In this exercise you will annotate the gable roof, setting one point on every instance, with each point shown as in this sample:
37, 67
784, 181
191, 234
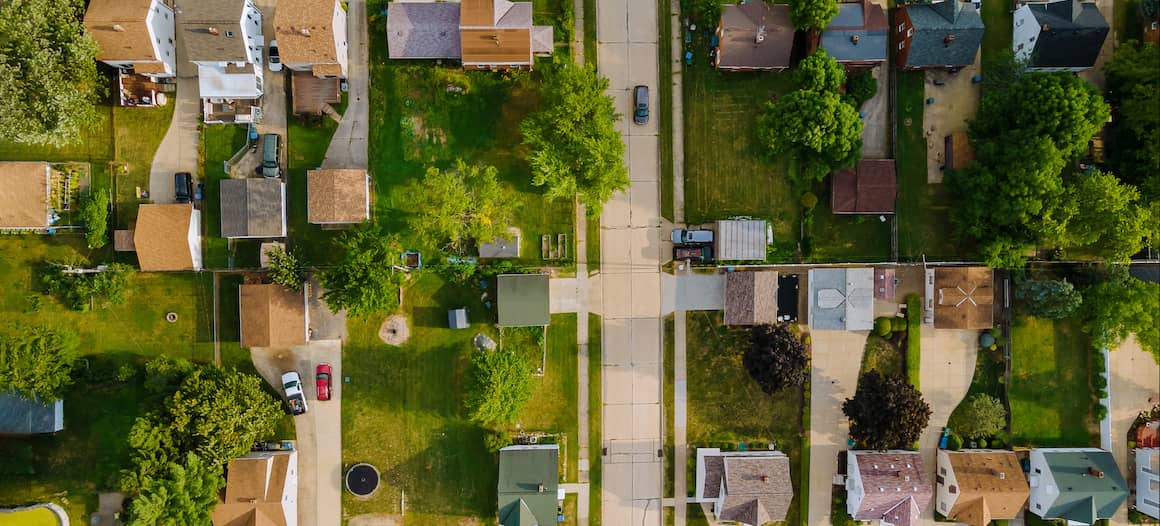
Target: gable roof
337, 196
253, 207
423, 30
523, 300
984, 494
1072, 34
203, 28
963, 298
751, 298
24, 194
1082, 496
758, 489
272, 316
858, 33
162, 237
869, 188
523, 471
121, 30
19, 416
255, 485
933, 24
315, 17
754, 35
896, 486
841, 299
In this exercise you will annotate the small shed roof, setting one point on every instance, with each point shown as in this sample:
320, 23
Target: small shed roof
19, 416
457, 318
741, 240
964, 298
870, 188
24, 194
272, 316
750, 298
337, 196
523, 300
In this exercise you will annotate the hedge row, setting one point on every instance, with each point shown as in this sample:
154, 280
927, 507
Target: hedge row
913, 338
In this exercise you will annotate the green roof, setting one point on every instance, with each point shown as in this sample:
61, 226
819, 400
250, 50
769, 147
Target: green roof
1082, 497
523, 300
522, 471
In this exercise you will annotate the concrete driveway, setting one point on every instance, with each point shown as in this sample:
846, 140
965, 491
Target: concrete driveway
178, 149
1133, 378
348, 146
876, 123
319, 430
837, 356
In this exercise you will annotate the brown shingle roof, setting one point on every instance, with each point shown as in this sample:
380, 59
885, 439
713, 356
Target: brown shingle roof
479, 12
272, 316
254, 489
23, 194
750, 298
983, 495
740, 28
337, 196
162, 237
964, 298
496, 46
224, 16
131, 40
316, 45
895, 483
868, 189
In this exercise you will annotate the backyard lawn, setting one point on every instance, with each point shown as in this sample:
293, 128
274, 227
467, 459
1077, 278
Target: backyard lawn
998, 22
307, 142
847, 237
1051, 399
219, 143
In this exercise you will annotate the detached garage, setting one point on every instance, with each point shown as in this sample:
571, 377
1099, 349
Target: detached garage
741, 240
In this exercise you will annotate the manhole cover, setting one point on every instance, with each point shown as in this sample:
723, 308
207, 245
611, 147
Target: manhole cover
362, 480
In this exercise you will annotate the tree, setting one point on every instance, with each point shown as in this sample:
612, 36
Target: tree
184, 495
38, 362
861, 87
823, 132
576, 149
48, 73
979, 416
455, 207
1048, 298
1108, 216
776, 358
812, 14
1133, 79
1121, 305
285, 269
886, 412
1059, 106
77, 289
501, 384
365, 281
819, 72
94, 211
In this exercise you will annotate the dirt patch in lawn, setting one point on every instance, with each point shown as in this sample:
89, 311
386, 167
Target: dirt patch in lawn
394, 330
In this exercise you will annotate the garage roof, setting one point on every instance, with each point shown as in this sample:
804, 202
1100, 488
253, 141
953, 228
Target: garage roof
741, 240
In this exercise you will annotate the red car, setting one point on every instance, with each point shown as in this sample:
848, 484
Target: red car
322, 380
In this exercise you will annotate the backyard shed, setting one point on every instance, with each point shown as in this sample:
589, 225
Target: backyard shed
957, 151
750, 298
741, 240
868, 188
457, 318
24, 195
29, 417
503, 247
523, 300
841, 299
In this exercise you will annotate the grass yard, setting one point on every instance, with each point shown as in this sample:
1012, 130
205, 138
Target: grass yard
307, 142
847, 237
219, 142
595, 388
726, 406
665, 105
998, 22
985, 381
1050, 396
138, 133
553, 405
668, 402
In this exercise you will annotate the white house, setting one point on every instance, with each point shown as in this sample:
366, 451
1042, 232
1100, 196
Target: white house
134, 35
224, 39
1148, 481
1059, 35
263, 485
1080, 485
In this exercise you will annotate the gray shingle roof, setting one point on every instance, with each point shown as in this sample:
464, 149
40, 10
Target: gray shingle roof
933, 23
741, 26
1075, 33
1083, 497
253, 207
195, 20
423, 30
867, 22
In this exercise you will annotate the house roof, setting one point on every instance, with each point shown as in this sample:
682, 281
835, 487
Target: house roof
423, 30
933, 24
984, 494
1083, 497
272, 316
741, 27
864, 20
503, 247
895, 483
523, 300
253, 207
735, 478
964, 298
870, 188
751, 298
162, 237
315, 45
24, 194
522, 472
496, 45
120, 29
841, 299
255, 485
203, 29
740, 240
19, 416
1072, 34
337, 196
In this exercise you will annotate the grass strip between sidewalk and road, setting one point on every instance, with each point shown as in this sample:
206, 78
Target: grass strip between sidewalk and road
595, 450
665, 104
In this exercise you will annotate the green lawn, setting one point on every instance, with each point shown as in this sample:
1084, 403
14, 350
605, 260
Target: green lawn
138, 134
219, 142
847, 237
985, 381
725, 405
553, 405
33, 517
307, 143
595, 388
665, 105
881, 355
1050, 396
668, 398
999, 27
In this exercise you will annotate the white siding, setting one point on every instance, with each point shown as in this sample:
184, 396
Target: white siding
340, 44
195, 239
1148, 481
1025, 34
855, 492
162, 32
945, 500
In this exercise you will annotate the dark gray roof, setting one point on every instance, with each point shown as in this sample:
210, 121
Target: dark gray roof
743, 25
524, 300
253, 207
1145, 272
522, 471
501, 247
933, 23
865, 21
1073, 36
423, 30
29, 417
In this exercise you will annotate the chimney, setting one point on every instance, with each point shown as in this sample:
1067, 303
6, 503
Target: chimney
1002, 476
1096, 472
765, 478
540, 488
118, 28
947, 41
1045, 27
854, 39
760, 34
305, 32
213, 31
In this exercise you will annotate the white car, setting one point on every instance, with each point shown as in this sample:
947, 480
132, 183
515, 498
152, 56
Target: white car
292, 385
274, 60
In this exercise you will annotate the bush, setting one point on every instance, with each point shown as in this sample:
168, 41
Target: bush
898, 324
809, 200
495, 441
913, 338
1101, 411
75, 290
94, 211
883, 327
982, 443
998, 443
954, 442
861, 88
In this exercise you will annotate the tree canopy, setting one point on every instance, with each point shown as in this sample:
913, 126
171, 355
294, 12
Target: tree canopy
1049, 299
576, 149
1133, 79
812, 14
460, 206
776, 358
1120, 305
886, 412
185, 494
500, 386
48, 73
38, 361
285, 268
78, 291
365, 281
979, 416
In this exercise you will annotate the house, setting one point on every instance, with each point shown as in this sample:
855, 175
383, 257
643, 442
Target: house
338, 196
751, 298
857, 36
523, 300
1147, 454
746, 487
529, 488
261, 489
1081, 485
23, 417
24, 195
887, 486
224, 39
740, 240
137, 38
482, 34
868, 188
253, 208
942, 35
754, 36
841, 299
960, 297
168, 237
1059, 35
312, 44
272, 316
978, 486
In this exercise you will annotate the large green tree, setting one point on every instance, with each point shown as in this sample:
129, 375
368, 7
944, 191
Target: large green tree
184, 495
979, 416
500, 386
1133, 79
48, 74
38, 361
1108, 217
819, 72
365, 281
776, 358
94, 211
818, 128
460, 206
1120, 305
1059, 106
1049, 299
576, 149
812, 14
886, 412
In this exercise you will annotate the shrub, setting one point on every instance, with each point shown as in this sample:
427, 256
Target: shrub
982, 443
495, 441
75, 290
94, 211
898, 324
913, 338
883, 327
861, 87
285, 269
809, 200
1101, 411
980, 415
998, 443
954, 442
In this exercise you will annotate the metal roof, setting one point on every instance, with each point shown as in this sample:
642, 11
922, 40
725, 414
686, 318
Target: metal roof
741, 240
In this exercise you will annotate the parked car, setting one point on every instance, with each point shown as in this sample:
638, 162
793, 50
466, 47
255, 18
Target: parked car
322, 380
271, 152
183, 187
275, 60
292, 385
692, 253
682, 236
640, 105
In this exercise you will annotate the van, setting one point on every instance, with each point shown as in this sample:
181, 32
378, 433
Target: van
640, 105
271, 152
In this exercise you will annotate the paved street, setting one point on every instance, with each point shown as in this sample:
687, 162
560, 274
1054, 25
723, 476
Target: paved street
1134, 377
348, 146
837, 355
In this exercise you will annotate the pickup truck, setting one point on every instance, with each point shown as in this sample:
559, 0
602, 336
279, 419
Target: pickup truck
692, 253
292, 384
681, 235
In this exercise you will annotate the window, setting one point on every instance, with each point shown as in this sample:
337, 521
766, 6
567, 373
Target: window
953, 489
901, 27
910, 31
229, 34
1038, 506
1019, 22
901, 46
943, 506
1037, 471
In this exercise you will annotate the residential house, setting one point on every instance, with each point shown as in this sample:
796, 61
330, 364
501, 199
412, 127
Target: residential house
312, 44
261, 489
1081, 485
754, 36
137, 38
168, 237
272, 316
529, 489
740, 240
751, 298
24, 195
857, 36
338, 196
977, 486
942, 35
841, 299
960, 297
868, 188
481, 34
24, 417
746, 487
523, 300
224, 39
1147, 453
1059, 35
887, 486
253, 208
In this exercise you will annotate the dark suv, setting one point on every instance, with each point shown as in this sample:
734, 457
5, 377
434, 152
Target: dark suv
640, 105
183, 187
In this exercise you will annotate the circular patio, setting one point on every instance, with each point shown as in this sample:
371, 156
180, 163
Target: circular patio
362, 480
